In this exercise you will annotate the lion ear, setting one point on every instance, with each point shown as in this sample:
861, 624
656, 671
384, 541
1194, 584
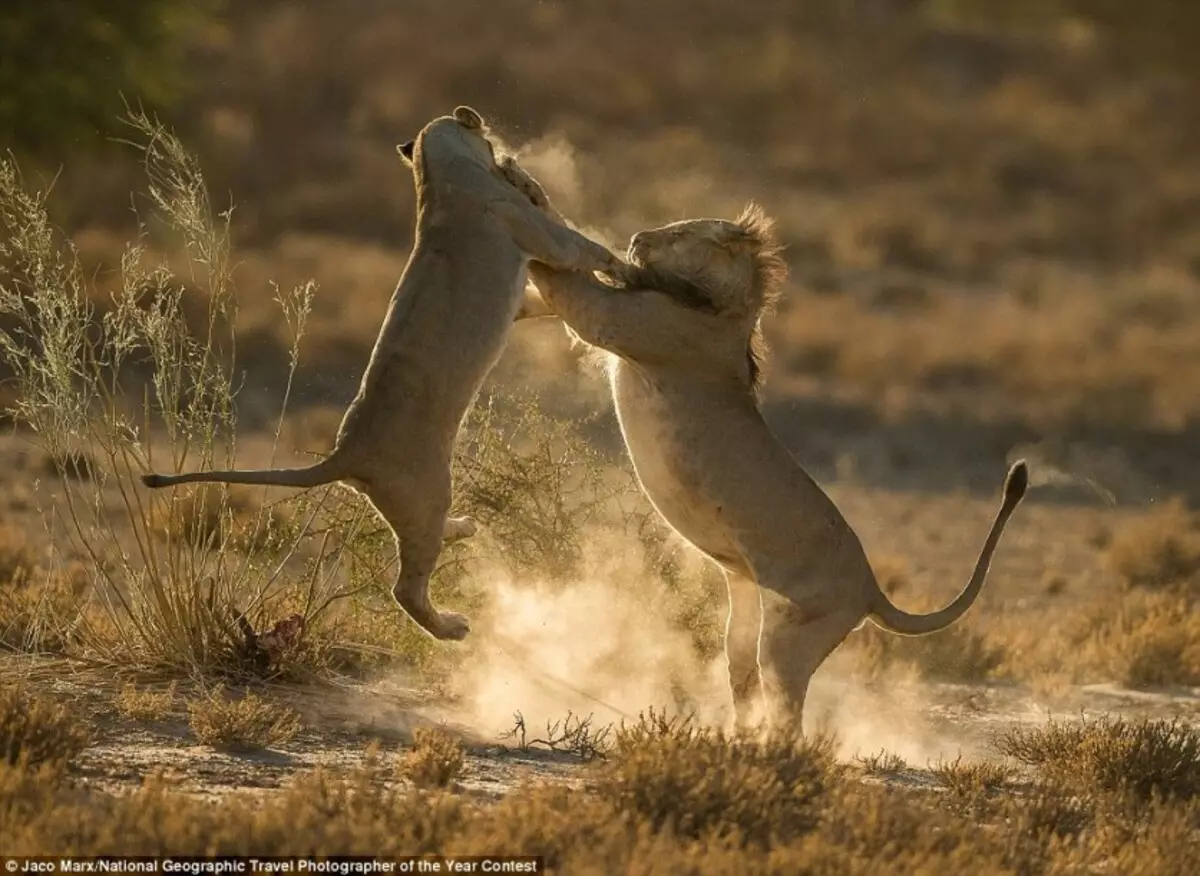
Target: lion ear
468, 118
735, 237
405, 151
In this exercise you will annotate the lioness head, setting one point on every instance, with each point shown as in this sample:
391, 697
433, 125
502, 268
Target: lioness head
462, 134
733, 269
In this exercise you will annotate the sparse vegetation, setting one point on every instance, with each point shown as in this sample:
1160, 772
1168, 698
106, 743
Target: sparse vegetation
1145, 757
241, 723
970, 778
993, 234
960, 653
144, 704
36, 730
435, 759
882, 762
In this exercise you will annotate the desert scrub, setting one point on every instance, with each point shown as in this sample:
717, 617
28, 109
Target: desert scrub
957, 654
1144, 757
970, 777
245, 723
1144, 640
144, 376
693, 781
36, 730
40, 613
143, 704
1160, 551
435, 759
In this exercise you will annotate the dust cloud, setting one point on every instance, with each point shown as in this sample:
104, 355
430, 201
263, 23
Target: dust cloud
602, 646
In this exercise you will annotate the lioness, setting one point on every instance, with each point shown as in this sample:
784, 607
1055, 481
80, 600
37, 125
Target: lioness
686, 334
446, 326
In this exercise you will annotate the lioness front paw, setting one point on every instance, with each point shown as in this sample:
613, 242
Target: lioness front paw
517, 177
458, 528
451, 627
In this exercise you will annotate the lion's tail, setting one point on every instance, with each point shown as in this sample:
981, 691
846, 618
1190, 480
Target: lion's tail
324, 472
895, 620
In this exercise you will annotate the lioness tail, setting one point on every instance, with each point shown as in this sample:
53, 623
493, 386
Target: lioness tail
324, 472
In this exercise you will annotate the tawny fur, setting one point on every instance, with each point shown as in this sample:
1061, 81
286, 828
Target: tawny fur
685, 331
479, 222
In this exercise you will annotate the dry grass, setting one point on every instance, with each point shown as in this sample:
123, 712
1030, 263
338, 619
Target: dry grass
144, 704
672, 800
881, 763
958, 654
435, 759
697, 782
970, 778
36, 730
241, 723
1159, 552
1144, 757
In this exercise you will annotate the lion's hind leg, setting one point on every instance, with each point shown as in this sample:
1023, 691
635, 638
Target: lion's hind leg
743, 632
797, 637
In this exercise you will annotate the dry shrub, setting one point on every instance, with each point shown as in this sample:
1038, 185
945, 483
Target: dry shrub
1148, 639
246, 723
42, 615
17, 559
143, 704
957, 654
845, 828
36, 730
1160, 551
435, 760
881, 763
1143, 757
696, 781
970, 778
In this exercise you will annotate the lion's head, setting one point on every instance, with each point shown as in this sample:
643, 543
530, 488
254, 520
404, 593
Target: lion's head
462, 134
734, 269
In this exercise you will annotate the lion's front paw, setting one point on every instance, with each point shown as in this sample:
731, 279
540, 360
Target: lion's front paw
451, 627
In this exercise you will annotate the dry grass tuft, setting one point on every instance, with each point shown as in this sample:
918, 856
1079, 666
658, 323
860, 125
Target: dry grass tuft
141, 704
1147, 757
246, 723
958, 654
1160, 551
36, 730
970, 778
696, 782
435, 760
881, 763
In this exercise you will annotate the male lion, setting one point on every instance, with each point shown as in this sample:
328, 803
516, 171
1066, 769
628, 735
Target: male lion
686, 334
445, 328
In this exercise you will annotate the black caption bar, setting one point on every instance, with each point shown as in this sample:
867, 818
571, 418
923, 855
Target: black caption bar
269, 866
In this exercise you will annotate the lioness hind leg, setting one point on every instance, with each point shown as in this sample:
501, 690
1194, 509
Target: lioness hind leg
418, 558
419, 538
743, 633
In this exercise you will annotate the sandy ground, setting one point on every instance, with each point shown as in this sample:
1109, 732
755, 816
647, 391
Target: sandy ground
937, 538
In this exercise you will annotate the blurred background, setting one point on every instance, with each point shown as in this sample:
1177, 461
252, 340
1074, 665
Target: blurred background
991, 210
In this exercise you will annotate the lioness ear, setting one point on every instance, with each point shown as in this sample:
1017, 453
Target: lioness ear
405, 150
468, 118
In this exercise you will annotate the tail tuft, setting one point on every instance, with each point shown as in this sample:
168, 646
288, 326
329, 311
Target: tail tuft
154, 480
1016, 483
